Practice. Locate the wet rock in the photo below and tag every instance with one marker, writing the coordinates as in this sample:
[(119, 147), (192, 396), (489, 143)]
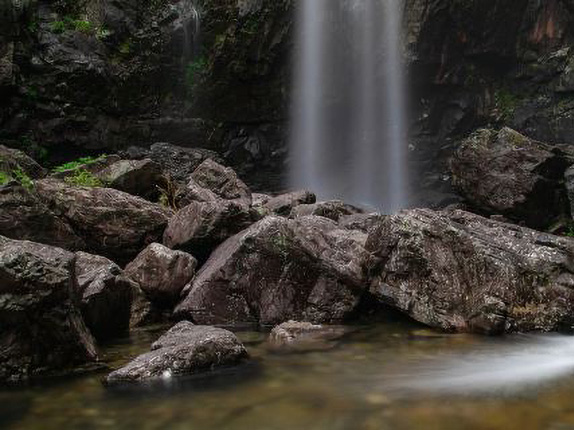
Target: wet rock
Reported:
[(137, 177), (24, 216), (179, 162), (505, 173), (162, 273), (143, 311), (106, 296), (277, 270), (305, 336), (333, 209), (112, 223), (42, 330), (13, 159), (186, 349), (201, 226), (284, 203), (460, 272), (222, 181)]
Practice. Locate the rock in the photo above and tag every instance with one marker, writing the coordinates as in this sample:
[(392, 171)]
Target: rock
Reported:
[(24, 216), (162, 273), (505, 173), (460, 272), (112, 223), (362, 222), (106, 296), (42, 328), (284, 203), (201, 226), (222, 181), (278, 270), (179, 162), (333, 209), (569, 181), (13, 159), (143, 311), (185, 349), (304, 336), (259, 199), (141, 178)]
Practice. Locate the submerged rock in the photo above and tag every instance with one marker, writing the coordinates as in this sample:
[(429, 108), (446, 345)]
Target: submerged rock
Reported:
[(106, 296), (112, 223), (461, 272), (41, 328), (305, 336), (162, 273), (284, 203), (278, 270), (185, 349), (505, 173)]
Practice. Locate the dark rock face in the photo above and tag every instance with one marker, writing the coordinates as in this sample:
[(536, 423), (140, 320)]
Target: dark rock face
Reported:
[(143, 311), (42, 330), (334, 210), (162, 273), (277, 270), (284, 203), (201, 226), (106, 296), (505, 173), (24, 216), (13, 159), (460, 272), (112, 223), (185, 349), (137, 177)]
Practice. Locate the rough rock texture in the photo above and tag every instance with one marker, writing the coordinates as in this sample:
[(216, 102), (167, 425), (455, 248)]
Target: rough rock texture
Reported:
[(201, 226), (42, 330), (112, 223), (185, 349), (362, 222), (333, 209), (460, 272), (277, 270), (24, 216), (137, 177), (284, 203), (505, 173), (106, 296), (13, 159), (305, 336), (162, 273), (143, 311)]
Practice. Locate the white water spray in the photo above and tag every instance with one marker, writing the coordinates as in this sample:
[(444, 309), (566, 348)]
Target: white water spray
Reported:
[(348, 137)]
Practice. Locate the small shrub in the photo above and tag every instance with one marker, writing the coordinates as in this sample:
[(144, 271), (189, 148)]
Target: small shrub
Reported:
[(169, 193), (73, 165), (23, 178), (4, 178), (83, 178), (58, 27)]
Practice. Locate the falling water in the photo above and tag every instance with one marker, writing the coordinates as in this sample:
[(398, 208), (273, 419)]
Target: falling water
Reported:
[(348, 138), (189, 21)]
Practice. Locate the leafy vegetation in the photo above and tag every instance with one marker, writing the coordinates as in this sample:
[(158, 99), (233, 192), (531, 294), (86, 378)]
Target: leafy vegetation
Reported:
[(23, 178), (4, 178), (76, 164), (83, 178), (69, 23), (195, 72), (169, 193)]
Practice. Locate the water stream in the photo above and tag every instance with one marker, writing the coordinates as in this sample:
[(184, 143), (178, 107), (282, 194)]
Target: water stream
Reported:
[(349, 137)]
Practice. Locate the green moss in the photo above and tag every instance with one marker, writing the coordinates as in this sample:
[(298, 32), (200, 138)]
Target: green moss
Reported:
[(4, 178), (83, 178), (72, 165), (506, 102), (195, 72)]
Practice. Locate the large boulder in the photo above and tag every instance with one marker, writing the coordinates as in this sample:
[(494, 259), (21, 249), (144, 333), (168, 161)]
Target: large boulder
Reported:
[(112, 223), (277, 270), (141, 178), (13, 159), (162, 273), (42, 330), (461, 272), (505, 173), (284, 203), (106, 296), (201, 226), (185, 349), (24, 216), (222, 181)]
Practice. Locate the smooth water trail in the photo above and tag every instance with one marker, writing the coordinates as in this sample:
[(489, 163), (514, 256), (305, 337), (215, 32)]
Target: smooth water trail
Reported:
[(348, 137)]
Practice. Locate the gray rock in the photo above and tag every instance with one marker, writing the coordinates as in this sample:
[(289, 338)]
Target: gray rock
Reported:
[(461, 272), (179, 162), (333, 209), (13, 159), (362, 222), (42, 330), (277, 270), (284, 203), (162, 273), (186, 349), (141, 178), (106, 296), (304, 336)]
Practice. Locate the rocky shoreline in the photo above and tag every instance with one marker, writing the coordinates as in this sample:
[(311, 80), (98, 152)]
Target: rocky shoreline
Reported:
[(182, 240)]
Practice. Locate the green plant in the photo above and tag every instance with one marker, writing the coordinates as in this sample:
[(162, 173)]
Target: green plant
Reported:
[(506, 102), (4, 178), (83, 178), (195, 71), (83, 26), (169, 193), (102, 33), (23, 178), (73, 165), (58, 27)]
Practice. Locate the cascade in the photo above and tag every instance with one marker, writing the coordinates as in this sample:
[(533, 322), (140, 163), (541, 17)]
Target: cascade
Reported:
[(348, 137)]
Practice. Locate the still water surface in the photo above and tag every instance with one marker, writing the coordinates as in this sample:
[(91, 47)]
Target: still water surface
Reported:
[(387, 376)]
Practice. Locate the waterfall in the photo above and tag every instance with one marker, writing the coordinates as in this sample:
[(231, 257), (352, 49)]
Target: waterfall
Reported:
[(190, 23), (348, 137)]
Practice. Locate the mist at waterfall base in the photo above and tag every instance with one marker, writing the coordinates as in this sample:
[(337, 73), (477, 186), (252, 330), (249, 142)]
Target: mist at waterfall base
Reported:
[(348, 137)]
